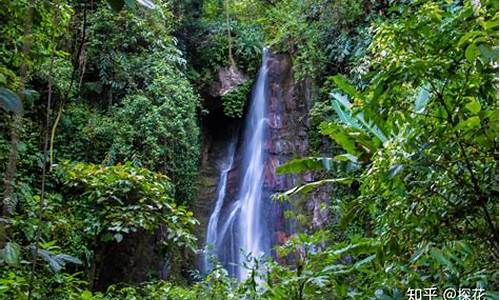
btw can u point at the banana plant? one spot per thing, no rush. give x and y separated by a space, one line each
358 136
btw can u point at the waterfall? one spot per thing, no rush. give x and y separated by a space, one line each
244 228
212 228
251 223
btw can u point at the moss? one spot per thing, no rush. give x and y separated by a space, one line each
234 101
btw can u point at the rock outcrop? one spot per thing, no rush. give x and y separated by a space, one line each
228 79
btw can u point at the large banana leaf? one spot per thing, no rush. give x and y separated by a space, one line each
343 109
308 187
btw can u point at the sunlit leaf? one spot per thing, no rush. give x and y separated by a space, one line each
472 52
345 86
473 106
347 157
308 187
472 122
422 99
306 164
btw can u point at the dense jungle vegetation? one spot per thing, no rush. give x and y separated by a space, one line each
100 133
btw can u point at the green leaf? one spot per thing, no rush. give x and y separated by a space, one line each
342 107
358 265
395 169
422 99
57 261
346 157
420 251
68 258
488 53
53 263
11 253
473 106
469 36
361 247
472 52
308 187
345 86
86 295
10 101
492 117
342 138
492 295
493 24
472 122
439 257
301 165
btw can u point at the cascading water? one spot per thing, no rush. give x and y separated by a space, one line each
251 223
212 228
244 228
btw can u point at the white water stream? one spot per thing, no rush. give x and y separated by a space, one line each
240 229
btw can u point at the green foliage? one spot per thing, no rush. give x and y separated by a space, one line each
158 132
10 253
122 61
288 27
81 124
140 70
212 48
429 215
46 21
122 199
101 205
316 33
405 132
234 101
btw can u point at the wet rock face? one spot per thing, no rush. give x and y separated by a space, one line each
287 120
216 134
288 109
287 113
